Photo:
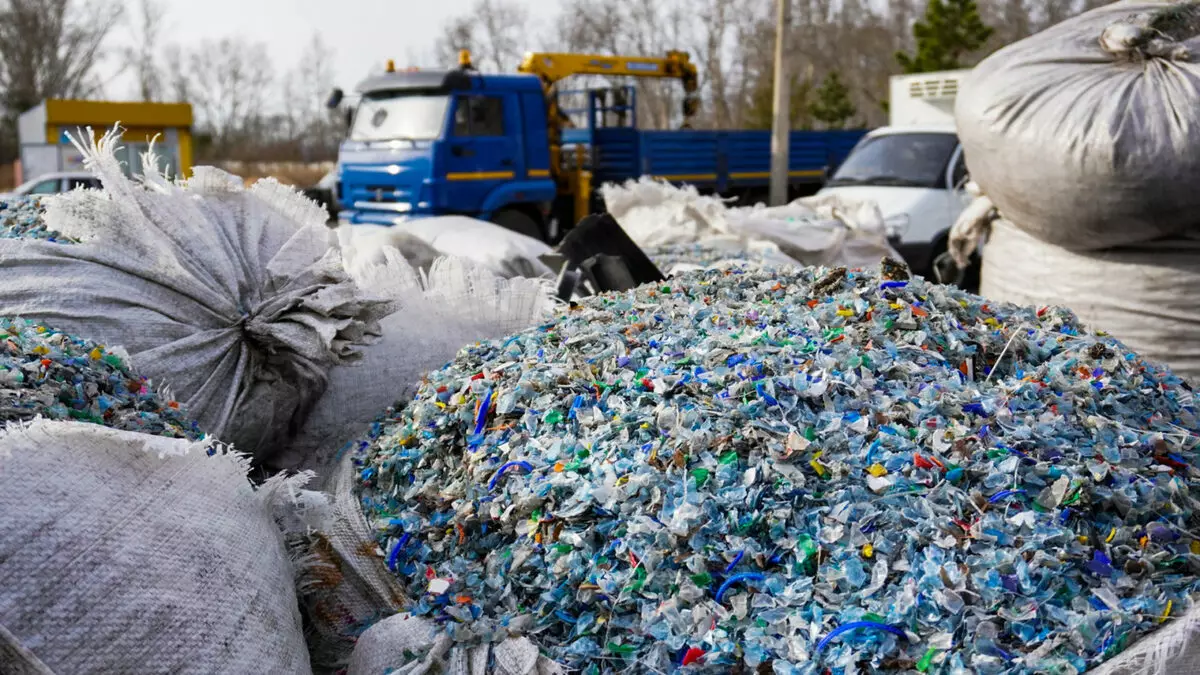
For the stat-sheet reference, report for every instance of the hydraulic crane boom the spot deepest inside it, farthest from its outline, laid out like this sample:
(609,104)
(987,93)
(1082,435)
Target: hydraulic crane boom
(552,68)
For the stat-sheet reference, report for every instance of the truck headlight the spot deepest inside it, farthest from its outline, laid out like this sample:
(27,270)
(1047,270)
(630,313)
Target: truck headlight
(896,225)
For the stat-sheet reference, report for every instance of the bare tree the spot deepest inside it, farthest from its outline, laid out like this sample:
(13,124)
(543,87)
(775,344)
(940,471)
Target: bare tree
(314,128)
(49,49)
(177,84)
(229,81)
(142,57)
(495,31)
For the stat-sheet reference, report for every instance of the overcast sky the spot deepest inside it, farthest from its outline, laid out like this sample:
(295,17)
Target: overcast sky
(363,33)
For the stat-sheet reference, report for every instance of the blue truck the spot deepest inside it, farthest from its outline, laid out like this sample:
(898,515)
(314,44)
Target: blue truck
(499,147)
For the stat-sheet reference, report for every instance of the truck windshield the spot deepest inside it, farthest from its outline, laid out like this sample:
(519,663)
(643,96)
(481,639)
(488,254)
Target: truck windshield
(904,160)
(396,116)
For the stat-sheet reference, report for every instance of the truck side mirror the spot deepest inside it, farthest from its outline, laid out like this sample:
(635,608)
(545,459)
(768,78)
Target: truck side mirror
(335,98)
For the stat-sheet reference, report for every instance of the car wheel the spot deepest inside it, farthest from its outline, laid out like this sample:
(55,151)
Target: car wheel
(519,222)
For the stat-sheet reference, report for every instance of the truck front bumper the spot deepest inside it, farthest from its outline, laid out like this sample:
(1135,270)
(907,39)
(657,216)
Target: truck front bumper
(375,216)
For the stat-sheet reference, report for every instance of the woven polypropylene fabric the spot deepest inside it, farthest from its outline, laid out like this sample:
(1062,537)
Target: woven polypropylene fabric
(1173,650)
(128,553)
(435,313)
(1086,141)
(346,586)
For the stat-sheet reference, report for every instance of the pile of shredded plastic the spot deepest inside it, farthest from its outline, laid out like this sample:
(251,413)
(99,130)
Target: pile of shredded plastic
(817,470)
(706,254)
(50,374)
(22,219)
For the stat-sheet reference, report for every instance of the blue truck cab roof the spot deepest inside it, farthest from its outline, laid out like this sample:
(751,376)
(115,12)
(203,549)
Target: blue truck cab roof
(446,81)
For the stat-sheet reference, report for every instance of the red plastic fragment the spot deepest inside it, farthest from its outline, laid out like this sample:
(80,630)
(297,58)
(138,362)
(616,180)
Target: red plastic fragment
(692,656)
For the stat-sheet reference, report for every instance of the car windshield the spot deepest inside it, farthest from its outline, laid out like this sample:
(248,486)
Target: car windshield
(905,160)
(396,116)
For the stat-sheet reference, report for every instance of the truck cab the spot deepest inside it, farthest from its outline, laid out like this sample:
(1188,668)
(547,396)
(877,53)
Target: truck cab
(425,143)
(914,169)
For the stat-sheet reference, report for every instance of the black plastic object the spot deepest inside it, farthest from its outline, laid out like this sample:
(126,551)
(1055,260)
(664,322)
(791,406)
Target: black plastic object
(601,235)
(608,273)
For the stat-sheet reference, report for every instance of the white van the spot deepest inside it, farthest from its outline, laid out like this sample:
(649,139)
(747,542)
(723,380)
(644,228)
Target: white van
(914,168)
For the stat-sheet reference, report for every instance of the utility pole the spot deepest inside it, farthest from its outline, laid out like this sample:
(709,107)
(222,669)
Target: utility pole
(782,108)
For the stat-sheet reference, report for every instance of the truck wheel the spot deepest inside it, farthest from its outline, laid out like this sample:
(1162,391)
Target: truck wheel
(519,222)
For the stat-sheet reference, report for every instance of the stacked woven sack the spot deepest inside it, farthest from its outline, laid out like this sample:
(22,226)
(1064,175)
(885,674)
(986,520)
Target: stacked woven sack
(1085,141)
(158,339)
(109,562)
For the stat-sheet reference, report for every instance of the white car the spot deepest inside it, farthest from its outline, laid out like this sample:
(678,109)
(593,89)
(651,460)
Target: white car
(53,183)
(917,175)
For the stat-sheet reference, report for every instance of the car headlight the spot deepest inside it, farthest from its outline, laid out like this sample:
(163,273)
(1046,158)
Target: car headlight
(896,225)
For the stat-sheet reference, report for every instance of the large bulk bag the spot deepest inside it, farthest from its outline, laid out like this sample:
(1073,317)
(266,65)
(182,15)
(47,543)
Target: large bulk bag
(122,552)
(1143,295)
(826,230)
(501,250)
(1085,134)
(230,297)
(433,314)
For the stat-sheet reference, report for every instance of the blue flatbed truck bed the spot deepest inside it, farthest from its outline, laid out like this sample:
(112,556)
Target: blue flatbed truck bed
(717,161)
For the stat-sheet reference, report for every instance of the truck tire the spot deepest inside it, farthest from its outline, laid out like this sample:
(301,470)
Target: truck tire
(519,222)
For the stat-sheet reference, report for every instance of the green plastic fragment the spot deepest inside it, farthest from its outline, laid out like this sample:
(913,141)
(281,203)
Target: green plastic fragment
(806,551)
(729,458)
(622,650)
(702,579)
(554,417)
(701,476)
(639,580)
(927,660)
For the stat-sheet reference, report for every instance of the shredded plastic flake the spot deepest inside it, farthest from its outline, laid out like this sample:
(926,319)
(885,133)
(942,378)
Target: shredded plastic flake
(666,257)
(50,374)
(21,218)
(810,471)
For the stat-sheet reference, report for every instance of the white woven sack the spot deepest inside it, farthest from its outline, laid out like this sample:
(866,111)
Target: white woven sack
(1085,135)
(1143,295)
(408,645)
(231,297)
(498,249)
(433,315)
(829,230)
(363,245)
(128,553)
(344,584)
(1173,649)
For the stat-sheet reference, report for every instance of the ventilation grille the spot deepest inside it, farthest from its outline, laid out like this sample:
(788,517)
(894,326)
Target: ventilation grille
(933,88)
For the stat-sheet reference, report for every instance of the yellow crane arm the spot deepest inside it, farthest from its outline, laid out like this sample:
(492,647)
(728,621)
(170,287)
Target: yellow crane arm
(554,67)
(551,68)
